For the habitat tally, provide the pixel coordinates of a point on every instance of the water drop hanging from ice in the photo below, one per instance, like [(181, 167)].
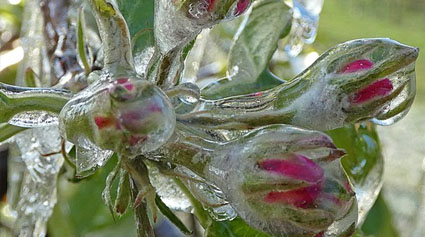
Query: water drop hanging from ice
[(304, 25)]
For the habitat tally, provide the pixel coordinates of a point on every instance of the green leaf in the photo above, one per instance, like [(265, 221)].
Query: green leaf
[(171, 216), (361, 142), (30, 78), (139, 17), (7, 131), (80, 210), (124, 193), (252, 49), (234, 228), (15, 99), (81, 42)]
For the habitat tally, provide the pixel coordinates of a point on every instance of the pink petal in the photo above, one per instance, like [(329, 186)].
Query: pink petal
[(241, 6), (103, 122), (362, 64), (122, 80), (297, 167), (302, 197), (379, 88)]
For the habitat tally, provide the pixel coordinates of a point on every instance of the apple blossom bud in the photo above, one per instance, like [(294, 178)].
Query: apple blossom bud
[(285, 181), (127, 115)]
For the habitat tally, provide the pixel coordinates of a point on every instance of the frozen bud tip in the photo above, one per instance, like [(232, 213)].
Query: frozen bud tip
[(366, 79)]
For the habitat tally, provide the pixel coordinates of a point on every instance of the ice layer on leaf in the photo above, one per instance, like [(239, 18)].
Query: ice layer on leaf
[(38, 150), (169, 192), (363, 163)]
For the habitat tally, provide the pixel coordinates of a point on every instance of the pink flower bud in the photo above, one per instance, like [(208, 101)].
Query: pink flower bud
[(128, 115), (285, 181)]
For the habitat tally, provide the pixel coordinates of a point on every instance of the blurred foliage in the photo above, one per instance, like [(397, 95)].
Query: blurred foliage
[(139, 17), (81, 211), (379, 221)]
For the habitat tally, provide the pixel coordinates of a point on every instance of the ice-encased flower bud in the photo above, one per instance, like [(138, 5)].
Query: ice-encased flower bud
[(286, 181), (179, 21), (359, 80), (127, 115)]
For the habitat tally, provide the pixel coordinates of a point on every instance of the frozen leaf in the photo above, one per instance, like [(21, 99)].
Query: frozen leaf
[(34, 119), (178, 22), (15, 100), (252, 48), (171, 216), (38, 148), (81, 43), (115, 36), (7, 131), (89, 157), (169, 192), (363, 163)]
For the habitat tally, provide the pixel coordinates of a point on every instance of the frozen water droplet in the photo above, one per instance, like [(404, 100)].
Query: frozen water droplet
[(368, 189), (34, 119), (186, 98), (304, 25)]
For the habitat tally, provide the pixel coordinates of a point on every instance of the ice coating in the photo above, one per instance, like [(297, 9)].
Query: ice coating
[(211, 197), (363, 163), (177, 22), (89, 157), (358, 65), (304, 25), (367, 79), (169, 192), (38, 149), (285, 181), (126, 115), (34, 119)]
